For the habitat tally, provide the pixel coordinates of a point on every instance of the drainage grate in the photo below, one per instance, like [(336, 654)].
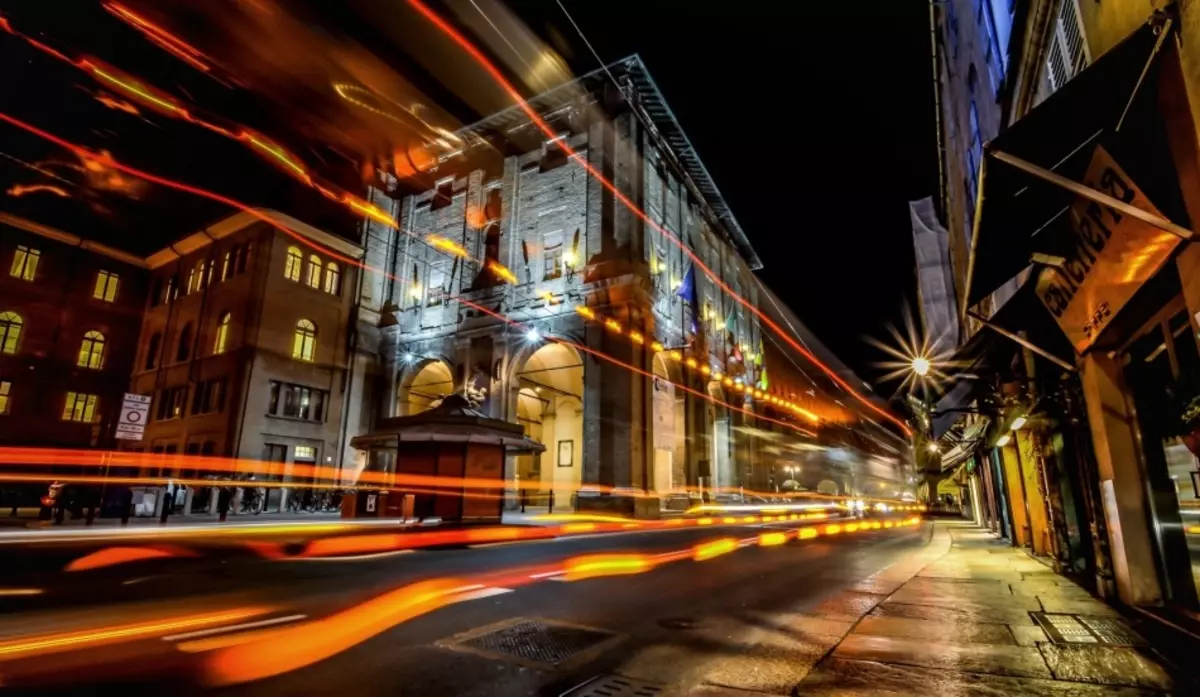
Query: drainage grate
[(1065, 628), (537, 641), (614, 686)]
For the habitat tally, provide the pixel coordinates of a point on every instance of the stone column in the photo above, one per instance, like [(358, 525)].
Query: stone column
[(1121, 489)]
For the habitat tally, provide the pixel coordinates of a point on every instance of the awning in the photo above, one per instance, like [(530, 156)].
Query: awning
[(962, 450), (1020, 322), (1114, 103)]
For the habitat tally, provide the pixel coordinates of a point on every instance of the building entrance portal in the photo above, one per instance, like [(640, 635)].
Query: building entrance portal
[(425, 388), (548, 389)]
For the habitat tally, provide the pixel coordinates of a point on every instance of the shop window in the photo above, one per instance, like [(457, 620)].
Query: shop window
[(304, 343), (106, 286), (80, 408), (91, 351), (11, 325), (295, 260), (25, 263), (306, 454)]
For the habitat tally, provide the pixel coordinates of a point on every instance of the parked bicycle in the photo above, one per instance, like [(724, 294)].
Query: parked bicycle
[(254, 499)]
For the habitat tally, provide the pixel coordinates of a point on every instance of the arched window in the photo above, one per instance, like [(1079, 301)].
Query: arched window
[(222, 333), (314, 272), (305, 344), (333, 279), (294, 260), (10, 331), (152, 350), (91, 351), (184, 350)]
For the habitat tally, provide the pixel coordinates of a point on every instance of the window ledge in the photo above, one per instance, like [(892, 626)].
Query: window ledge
[(297, 419)]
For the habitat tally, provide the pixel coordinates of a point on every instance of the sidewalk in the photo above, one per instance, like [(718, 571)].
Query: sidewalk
[(980, 617)]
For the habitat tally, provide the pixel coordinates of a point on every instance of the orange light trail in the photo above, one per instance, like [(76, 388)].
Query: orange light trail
[(118, 104), (132, 87), (477, 55), (23, 189), (113, 556), (161, 37), (277, 152)]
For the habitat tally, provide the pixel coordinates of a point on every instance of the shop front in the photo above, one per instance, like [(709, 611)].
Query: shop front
[(1102, 180)]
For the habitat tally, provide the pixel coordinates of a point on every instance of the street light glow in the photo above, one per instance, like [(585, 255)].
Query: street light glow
[(1018, 422), (933, 447), (921, 365)]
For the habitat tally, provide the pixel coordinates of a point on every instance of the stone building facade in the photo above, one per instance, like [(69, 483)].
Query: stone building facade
[(512, 199)]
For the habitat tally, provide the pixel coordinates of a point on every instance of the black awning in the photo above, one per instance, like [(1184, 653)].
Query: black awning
[(1021, 214)]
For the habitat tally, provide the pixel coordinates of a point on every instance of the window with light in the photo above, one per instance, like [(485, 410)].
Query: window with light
[(80, 408), (222, 337), (305, 343), (5, 391), (25, 263), (295, 259), (106, 286), (333, 279), (314, 271), (91, 352), (11, 325)]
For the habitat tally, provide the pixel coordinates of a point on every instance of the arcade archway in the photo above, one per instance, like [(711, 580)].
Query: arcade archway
[(425, 387), (549, 396), (669, 469)]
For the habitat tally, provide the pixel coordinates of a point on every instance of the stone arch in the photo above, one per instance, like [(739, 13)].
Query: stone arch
[(546, 392), (423, 385), (668, 428)]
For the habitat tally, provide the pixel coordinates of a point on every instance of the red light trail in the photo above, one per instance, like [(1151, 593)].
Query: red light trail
[(494, 72)]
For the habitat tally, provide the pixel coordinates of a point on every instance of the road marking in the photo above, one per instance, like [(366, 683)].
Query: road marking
[(479, 594), (547, 574), (355, 557), (233, 627)]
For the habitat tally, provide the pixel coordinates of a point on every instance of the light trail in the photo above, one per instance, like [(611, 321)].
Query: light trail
[(160, 37), (168, 106), (495, 74)]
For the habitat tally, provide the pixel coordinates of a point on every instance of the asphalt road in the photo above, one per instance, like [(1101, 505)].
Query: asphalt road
[(678, 608)]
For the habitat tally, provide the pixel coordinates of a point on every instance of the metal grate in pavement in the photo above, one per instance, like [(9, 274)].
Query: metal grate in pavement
[(1065, 628), (535, 641), (615, 686)]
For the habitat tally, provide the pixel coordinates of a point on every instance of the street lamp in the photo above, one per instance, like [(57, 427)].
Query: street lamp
[(921, 366), (933, 447), (1018, 423)]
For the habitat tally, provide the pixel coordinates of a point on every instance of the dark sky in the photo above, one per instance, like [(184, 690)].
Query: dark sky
[(816, 123)]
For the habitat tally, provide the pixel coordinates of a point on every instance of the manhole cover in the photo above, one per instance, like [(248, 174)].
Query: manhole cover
[(1063, 628), (614, 686), (679, 623), (535, 641)]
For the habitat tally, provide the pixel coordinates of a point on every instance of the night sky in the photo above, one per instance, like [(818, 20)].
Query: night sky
[(817, 125), (815, 121)]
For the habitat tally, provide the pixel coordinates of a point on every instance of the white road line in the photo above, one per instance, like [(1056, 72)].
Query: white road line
[(356, 557), (481, 593), (233, 627)]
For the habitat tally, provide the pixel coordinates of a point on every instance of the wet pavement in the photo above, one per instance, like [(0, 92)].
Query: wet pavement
[(968, 616)]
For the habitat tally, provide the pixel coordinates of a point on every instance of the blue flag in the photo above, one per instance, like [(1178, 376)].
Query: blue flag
[(687, 291)]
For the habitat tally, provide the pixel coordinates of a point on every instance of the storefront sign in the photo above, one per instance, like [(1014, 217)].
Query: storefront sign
[(1111, 255)]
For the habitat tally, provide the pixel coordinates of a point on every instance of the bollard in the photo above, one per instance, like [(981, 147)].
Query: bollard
[(524, 498), (551, 502)]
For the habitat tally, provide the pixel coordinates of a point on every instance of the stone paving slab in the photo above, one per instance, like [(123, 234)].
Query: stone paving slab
[(1109, 665), (909, 628), (1019, 661), (839, 677)]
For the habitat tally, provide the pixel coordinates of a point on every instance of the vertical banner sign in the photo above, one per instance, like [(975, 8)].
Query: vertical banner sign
[(1111, 255), (135, 411)]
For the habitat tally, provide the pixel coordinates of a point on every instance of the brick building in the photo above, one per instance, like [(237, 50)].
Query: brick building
[(69, 317)]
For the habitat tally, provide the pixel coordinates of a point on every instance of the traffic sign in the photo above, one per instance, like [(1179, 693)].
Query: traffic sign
[(135, 412)]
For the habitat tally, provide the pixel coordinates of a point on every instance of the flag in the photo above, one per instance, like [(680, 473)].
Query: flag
[(687, 289), (762, 379), (758, 357)]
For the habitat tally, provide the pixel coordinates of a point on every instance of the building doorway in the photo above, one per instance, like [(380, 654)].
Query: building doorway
[(669, 428), (548, 388), (721, 472), (1162, 374)]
